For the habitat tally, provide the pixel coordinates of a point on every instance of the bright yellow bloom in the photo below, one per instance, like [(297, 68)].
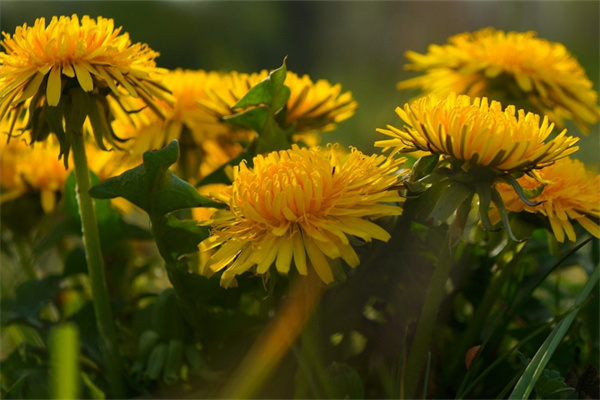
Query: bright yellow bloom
[(479, 133), (68, 68), (312, 106), (570, 194), (299, 202), (513, 68), (26, 168)]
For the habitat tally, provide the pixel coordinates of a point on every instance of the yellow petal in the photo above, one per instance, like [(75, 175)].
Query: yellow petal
[(299, 253), (83, 77), (54, 87), (318, 261), (284, 255), (590, 226)]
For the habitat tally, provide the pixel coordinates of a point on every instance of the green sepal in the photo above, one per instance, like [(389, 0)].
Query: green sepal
[(449, 201), (497, 199), (424, 166), (152, 187), (54, 118), (484, 192), (524, 194), (76, 111)]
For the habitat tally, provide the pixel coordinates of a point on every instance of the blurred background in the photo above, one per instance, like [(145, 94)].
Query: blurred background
[(359, 44)]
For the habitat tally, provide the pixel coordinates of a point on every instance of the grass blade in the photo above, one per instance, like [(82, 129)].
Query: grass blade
[(535, 368)]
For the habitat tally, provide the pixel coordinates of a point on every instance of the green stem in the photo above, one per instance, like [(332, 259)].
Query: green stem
[(95, 262), (424, 332)]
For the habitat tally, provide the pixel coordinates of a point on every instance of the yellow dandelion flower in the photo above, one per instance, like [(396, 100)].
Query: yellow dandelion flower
[(206, 142), (66, 69), (297, 203), (185, 116), (478, 133), (571, 193), (312, 106), (25, 168), (511, 67)]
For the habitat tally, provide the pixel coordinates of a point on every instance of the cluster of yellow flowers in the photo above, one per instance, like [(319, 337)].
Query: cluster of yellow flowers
[(302, 202)]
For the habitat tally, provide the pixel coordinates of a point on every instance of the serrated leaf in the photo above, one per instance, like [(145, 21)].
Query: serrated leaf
[(152, 187)]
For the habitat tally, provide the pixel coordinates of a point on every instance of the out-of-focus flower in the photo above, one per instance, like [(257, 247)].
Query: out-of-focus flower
[(513, 68), (478, 133), (299, 202), (64, 71), (25, 168), (312, 106), (570, 193)]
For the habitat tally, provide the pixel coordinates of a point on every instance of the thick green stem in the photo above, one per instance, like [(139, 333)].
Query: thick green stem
[(424, 332), (93, 254)]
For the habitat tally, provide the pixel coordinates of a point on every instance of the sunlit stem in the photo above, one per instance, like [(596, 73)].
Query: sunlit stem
[(95, 263)]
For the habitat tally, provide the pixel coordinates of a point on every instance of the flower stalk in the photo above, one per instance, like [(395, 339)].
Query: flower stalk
[(93, 254)]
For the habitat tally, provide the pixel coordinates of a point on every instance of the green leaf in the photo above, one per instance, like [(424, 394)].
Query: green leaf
[(152, 187), (254, 118), (265, 100), (535, 368), (271, 91)]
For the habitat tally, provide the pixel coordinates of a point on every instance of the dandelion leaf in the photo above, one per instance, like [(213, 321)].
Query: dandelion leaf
[(152, 187)]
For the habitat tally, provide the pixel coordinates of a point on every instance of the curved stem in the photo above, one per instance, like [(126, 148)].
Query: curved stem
[(95, 262)]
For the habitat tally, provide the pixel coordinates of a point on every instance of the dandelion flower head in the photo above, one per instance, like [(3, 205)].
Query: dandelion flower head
[(571, 193), (478, 133), (511, 67), (297, 203), (48, 63)]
